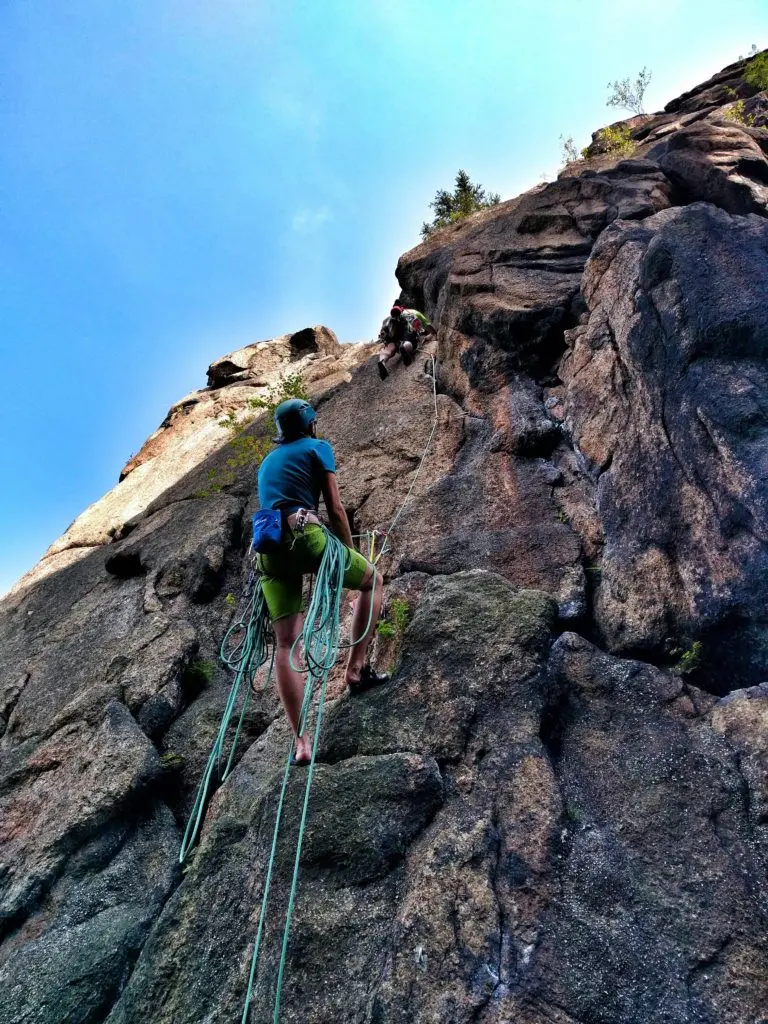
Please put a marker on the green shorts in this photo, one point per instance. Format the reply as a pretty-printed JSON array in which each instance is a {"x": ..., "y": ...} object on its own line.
[{"x": 282, "y": 572}]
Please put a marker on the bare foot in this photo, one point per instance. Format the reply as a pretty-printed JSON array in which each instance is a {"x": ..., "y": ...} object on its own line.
[{"x": 303, "y": 752}]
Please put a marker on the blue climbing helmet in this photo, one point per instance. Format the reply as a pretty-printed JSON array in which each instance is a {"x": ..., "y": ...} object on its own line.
[{"x": 294, "y": 418}]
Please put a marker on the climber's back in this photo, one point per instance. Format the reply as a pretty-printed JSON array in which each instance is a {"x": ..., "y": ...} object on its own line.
[{"x": 291, "y": 476}]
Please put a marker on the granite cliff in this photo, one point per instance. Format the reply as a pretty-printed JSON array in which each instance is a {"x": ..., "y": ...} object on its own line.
[{"x": 557, "y": 811}]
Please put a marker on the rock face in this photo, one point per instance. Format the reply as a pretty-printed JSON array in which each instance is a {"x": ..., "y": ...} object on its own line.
[
  {"x": 676, "y": 333},
  {"x": 556, "y": 812},
  {"x": 190, "y": 436}
]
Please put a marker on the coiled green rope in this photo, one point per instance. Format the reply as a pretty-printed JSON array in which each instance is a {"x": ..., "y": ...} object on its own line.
[{"x": 244, "y": 649}]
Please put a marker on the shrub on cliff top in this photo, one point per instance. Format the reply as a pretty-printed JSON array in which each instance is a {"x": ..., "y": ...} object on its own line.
[
  {"x": 628, "y": 95},
  {"x": 466, "y": 198},
  {"x": 616, "y": 139},
  {"x": 570, "y": 152},
  {"x": 756, "y": 72}
]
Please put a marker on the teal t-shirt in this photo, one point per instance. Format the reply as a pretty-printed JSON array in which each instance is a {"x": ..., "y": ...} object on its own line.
[{"x": 291, "y": 476}]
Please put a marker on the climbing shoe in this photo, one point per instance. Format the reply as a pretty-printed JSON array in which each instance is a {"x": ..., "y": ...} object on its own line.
[
  {"x": 407, "y": 357},
  {"x": 368, "y": 679},
  {"x": 383, "y": 371}
]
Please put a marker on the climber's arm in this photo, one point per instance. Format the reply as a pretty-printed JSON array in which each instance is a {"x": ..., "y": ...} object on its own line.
[{"x": 337, "y": 516}]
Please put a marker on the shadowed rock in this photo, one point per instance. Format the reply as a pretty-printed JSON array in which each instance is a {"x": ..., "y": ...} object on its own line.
[
  {"x": 666, "y": 386},
  {"x": 721, "y": 164}
]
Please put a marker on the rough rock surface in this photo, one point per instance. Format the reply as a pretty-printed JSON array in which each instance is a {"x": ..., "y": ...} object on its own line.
[
  {"x": 720, "y": 163},
  {"x": 526, "y": 824},
  {"x": 675, "y": 334}
]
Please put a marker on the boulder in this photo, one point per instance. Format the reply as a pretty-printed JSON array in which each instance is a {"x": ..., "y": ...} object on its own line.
[
  {"x": 399, "y": 907},
  {"x": 721, "y": 164}
]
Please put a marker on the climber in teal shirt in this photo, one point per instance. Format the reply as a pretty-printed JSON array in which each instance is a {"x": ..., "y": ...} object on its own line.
[{"x": 293, "y": 478}]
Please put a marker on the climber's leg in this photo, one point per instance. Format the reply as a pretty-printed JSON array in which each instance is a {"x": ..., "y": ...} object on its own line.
[
  {"x": 386, "y": 353},
  {"x": 290, "y": 683},
  {"x": 367, "y": 608}
]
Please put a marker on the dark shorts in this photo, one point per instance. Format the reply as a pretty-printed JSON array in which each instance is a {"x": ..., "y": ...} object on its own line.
[
  {"x": 282, "y": 572},
  {"x": 398, "y": 342}
]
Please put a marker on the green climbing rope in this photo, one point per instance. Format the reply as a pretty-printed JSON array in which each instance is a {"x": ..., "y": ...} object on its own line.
[
  {"x": 244, "y": 649},
  {"x": 321, "y": 640}
]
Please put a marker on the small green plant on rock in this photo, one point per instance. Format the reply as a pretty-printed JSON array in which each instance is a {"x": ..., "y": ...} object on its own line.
[
  {"x": 736, "y": 113},
  {"x": 616, "y": 139},
  {"x": 199, "y": 673},
  {"x": 396, "y": 621},
  {"x": 736, "y": 110},
  {"x": 230, "y": 600},
  {"x": 246, "y": 451},
  {"x": 688, "y": 659},
  {"x": 172, "y": 761},
  {"x": 756, "y": 72}
]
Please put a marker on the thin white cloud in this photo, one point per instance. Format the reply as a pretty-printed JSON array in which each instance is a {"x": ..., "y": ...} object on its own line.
[{"x": 307, "y": 221}]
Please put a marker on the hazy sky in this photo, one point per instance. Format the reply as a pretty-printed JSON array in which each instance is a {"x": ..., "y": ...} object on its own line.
[{"x": 182, "y": 177}]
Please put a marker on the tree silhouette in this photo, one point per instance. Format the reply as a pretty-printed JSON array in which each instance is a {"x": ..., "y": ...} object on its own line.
[{"x": 466, "y": 198}]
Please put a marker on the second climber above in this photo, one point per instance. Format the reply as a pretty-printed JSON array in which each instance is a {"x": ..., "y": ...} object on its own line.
[{"x": 401, "y": 332}]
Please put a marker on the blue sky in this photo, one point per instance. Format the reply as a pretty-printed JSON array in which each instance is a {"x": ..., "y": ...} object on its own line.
[{"x": 182, "y": 177}]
